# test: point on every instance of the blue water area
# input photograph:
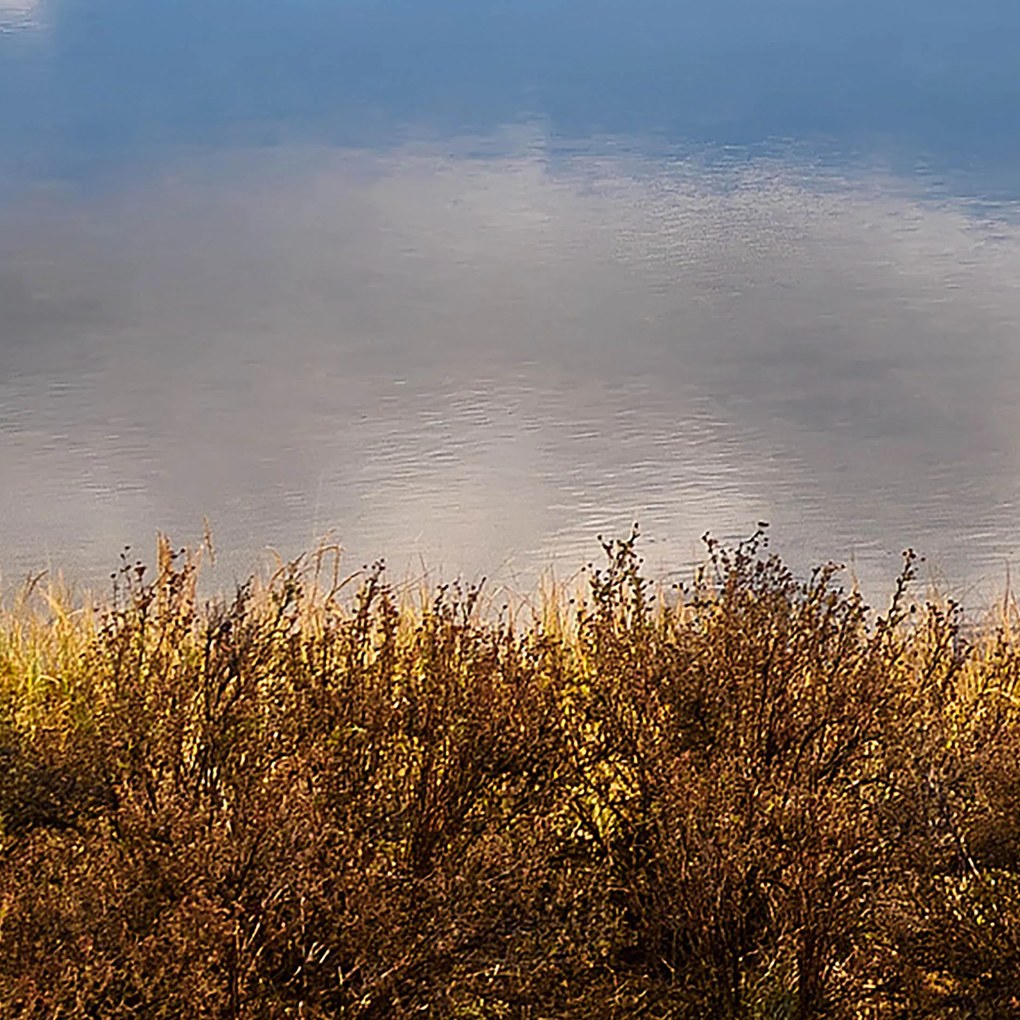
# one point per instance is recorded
(91, 85)
(470, 282)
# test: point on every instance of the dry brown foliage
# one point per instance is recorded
(760, 799)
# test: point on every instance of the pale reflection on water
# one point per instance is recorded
(483, 355)
(21, 15)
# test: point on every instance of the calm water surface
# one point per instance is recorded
(468, 284)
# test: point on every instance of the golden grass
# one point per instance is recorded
(329, 796)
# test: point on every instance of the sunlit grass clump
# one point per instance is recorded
(758, 798)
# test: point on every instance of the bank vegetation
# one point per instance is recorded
(753, 797)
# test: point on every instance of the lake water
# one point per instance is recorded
(467, 284)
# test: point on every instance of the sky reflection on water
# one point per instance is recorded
(472, 285)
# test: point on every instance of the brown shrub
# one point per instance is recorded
(760, 801)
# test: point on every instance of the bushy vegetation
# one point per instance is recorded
(753, 798)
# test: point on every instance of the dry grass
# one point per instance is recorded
(317, 799)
